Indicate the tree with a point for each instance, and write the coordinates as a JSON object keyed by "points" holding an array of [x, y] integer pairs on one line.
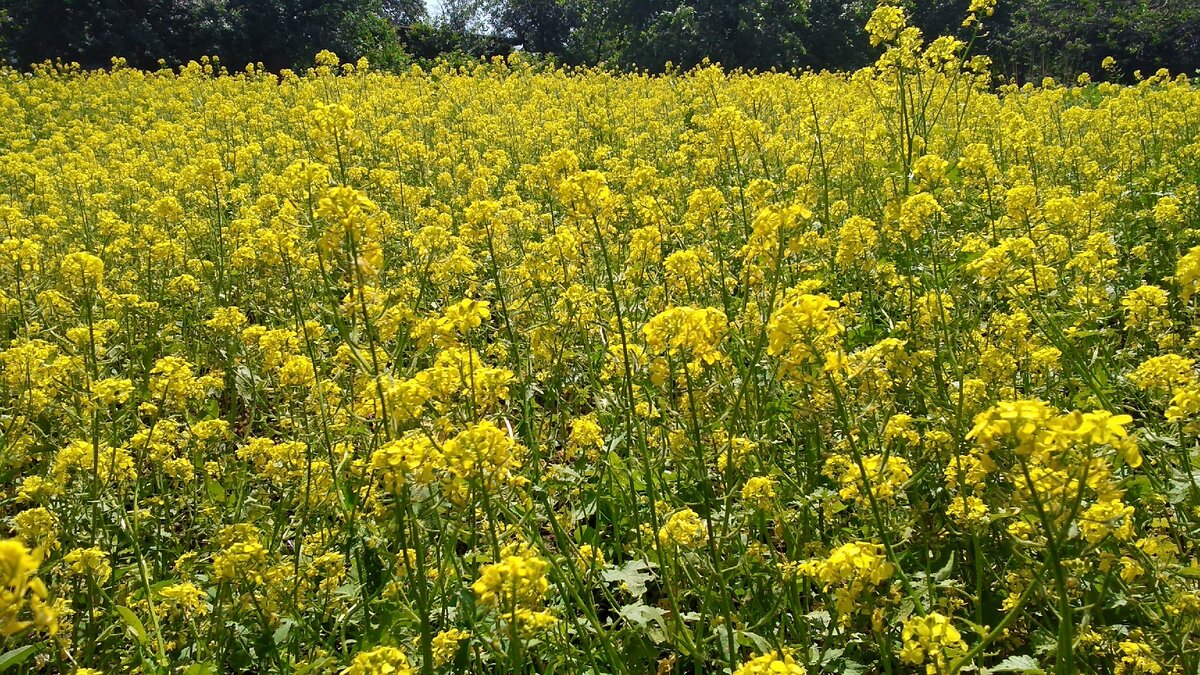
{"points": [[541, 26], [277, 33], [466, 16], [1063, 37], [93, 31], [403, 13], [751, 33]]}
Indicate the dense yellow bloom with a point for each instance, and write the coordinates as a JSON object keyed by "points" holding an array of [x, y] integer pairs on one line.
{"points": [[801, 330], [483, 452], [518, 580], [185, 598], [1145, 309], [412, 457], [759, 492], [1137, 658], [89, 562], [683, 528], [379, 661], [590, 558], [931, 640], [1030, 423], [1163, 373], [446, 643], [688, 332], [850, 570], [22, 593], [241, 562], [967, 511], [173, 381], [83, 270], [770, 663], [885, 477], [1187, 273], [885, 24], [857, 240]]}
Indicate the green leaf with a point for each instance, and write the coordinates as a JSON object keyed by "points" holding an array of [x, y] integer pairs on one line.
{"points": [[200, 669], [15, 657], [1017, 664], [281, 633], [1191, 572], [648, 619], [746, 638], [134, 623], [633, 576], [215, 491], [944, 573], [641, 614]]}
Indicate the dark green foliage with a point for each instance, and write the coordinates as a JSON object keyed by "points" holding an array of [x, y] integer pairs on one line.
{"points": [[1027, 39], [277, 33], [93, 31], [428, 42], [540, 26], [1064, 37], [403, 12], [285, 33], [647, 33]]}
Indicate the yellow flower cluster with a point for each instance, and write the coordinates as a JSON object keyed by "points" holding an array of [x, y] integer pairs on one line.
{"points": [[931, 639], [22, 594], [687, 331], [780, 662], [850, 570]]}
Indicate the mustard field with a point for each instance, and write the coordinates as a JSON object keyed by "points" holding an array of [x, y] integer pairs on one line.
{"points": [[516, 369]]}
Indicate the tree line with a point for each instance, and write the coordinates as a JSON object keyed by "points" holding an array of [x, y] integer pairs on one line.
{"points": [[1025, 38]]}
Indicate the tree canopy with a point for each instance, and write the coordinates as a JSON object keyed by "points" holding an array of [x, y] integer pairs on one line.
{"points": [[1026, 38]]}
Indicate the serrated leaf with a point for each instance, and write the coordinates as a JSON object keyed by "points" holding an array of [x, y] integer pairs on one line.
{"points": [[641, 614], [632, 576], [832, 655], [1017, 664], [648, 619], [819, 616]]}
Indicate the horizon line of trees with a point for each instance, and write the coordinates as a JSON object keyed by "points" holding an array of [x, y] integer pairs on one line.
{"points": [[1026, 39]]}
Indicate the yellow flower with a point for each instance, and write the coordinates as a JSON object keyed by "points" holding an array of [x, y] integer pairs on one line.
{"points": [[687, 331], [931, 638], [683, 528], [802, 330], [885, 24], [482, 452], [22, 594], [83, 271], [412, 457], [850, 570], [89, 562], [781, 662], [519, 579], [446, 644], [759, 492], [186, 598], [379, 661]]}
